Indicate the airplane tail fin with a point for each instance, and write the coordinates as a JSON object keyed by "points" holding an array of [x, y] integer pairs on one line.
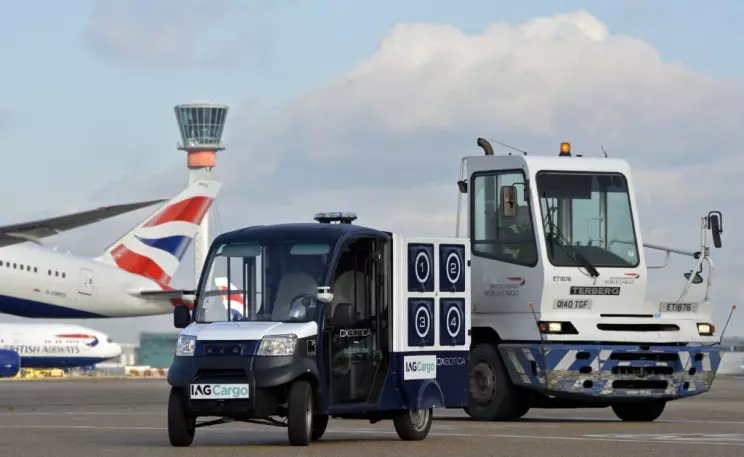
{"points": [[234, 301], [155, 247]]}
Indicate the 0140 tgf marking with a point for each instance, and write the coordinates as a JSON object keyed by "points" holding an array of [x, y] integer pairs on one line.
{"points": [[572, 304]]}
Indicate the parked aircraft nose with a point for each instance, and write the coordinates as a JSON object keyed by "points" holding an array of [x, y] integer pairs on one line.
{"points": [[114, 349]]}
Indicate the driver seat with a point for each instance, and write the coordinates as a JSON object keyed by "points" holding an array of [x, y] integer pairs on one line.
{"points": [[291, 285], [344, 288]]}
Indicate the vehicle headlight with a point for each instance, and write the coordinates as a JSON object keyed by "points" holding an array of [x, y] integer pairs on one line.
{"points": [[706, 329], [185, 345], [278, 345]]}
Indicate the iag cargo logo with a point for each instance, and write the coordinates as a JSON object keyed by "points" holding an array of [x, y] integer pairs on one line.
{"points": [[420, 367]]}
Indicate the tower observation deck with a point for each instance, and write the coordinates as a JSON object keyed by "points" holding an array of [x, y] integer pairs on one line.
{"points": [[201, 126]]}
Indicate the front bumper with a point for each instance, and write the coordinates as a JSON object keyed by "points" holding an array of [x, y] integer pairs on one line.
{"points": [[267, 378], [605, 371]]}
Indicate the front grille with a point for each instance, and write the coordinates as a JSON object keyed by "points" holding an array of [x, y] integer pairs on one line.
{"points": [[221, 375], [223, 349]]}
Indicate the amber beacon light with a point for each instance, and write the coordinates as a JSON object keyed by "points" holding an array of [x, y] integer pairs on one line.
{"points": [[565, 150]]}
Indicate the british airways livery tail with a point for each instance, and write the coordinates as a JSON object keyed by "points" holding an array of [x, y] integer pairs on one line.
{"points": [[154, 248], [124, 281]]}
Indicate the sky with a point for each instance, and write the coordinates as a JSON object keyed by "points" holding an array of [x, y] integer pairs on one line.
{"points": [[368, 106]]}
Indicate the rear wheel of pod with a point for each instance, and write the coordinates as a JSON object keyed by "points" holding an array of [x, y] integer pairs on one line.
{"points": [[413, 425]]}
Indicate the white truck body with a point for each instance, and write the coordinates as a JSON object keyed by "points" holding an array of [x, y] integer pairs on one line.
{"points": [[601, 341]]}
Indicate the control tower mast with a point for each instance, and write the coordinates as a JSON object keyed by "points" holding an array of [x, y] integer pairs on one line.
{"points": [[201, 126]]}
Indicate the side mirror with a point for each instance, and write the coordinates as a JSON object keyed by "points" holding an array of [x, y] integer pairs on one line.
{"points": [[508, 197], [715, 222], [343, 315], [696, 280], [181, 316], [325, 295], [10, 363]]}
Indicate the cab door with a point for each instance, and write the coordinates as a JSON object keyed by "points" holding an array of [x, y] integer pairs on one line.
{"points": [[358, 355]]}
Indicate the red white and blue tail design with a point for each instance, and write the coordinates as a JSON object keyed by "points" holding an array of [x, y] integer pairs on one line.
{"points": [[234, 302], [154, 248]]}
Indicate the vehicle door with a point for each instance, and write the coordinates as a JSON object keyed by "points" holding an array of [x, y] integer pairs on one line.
{"points": [[358, 354]]}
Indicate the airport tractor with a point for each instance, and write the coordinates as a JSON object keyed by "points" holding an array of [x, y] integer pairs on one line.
{"points": [[319, 320], [559, 276]]}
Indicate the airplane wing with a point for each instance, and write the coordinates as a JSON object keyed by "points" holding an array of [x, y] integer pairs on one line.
{"points": [[34, 231]]}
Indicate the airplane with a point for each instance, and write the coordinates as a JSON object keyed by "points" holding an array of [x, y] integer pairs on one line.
{"points": [[131, 278], [234, 302], [57, 345]]}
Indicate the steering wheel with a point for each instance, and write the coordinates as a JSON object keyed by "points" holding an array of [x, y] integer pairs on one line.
{"points": [[299, 305]]}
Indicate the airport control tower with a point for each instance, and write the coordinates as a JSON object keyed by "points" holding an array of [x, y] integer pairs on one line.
{"points": [[201, 126]]}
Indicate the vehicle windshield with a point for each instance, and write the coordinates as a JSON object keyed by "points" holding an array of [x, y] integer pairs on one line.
{"points": [[591, 212], [267, 282]]}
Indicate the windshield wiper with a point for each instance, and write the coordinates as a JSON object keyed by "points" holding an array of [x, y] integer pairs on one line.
{"points": [[566, 245]]}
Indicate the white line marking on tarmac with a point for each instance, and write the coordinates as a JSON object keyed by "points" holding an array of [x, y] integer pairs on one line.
{"points": [[569, 419], [608, 438]]}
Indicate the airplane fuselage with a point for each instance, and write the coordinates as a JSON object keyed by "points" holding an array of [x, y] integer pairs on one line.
{"points": [[57, 345], [36, 282]]}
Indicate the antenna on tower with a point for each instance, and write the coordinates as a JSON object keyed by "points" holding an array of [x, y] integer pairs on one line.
{"points": [[201, 126]]}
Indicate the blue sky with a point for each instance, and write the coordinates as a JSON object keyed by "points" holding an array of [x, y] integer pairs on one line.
{"points": [[90, 87], [118, 111]]}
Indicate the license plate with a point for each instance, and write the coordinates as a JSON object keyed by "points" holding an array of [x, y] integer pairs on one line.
{"points": [[219, 391], [678, 308], [572, 304]]}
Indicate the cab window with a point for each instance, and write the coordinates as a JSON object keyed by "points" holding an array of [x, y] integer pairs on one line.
{"points": [[501, 225]]}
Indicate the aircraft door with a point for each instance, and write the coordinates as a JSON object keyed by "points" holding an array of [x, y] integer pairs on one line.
{"points": [[85, 282]]}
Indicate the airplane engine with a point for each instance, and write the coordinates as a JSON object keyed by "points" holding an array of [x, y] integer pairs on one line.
{"points": [[10, 363]]}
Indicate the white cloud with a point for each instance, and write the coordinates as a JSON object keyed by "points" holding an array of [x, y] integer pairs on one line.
{"points": [[385, 139]]}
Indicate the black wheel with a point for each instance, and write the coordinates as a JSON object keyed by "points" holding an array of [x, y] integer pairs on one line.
{"points": [[181, 426], [300, 414], [413, 425], [639, 412], [491, 394], [320, 423]]}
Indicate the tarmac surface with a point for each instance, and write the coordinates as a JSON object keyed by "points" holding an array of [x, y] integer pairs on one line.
{"points": [[128, 417]]}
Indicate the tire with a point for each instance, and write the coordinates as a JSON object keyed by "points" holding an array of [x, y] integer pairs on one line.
{"points": [[491, 394], [639, 412], [181, 426], [300, 413], [413, 425], [320, 423]]}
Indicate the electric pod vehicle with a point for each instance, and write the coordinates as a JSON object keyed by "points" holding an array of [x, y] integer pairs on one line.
{"points": [[323, 320]]}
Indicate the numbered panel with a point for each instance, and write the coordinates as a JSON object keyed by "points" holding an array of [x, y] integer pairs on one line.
{"points": [[421, 322], [452, 322], [420, 267], [452, 268]]}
